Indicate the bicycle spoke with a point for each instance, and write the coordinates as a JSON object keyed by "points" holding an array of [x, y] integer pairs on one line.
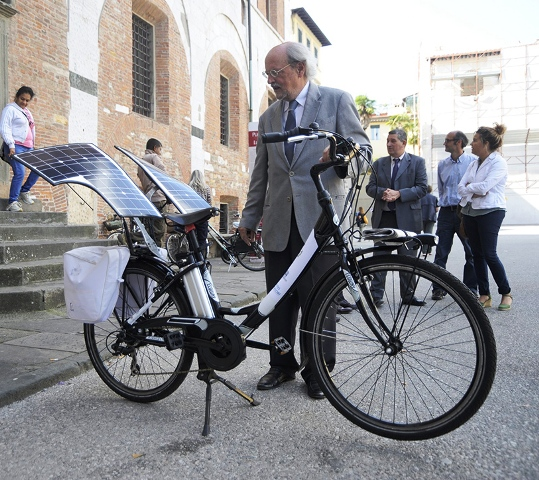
{"points": [[127, 363], [433, 377]]}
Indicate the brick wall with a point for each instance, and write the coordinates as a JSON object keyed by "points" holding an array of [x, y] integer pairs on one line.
{"points": [[227, 174], [172, 109], [38, 58]]}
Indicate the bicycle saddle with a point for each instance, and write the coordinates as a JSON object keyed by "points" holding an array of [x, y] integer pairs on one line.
{"points": [[192, 217]]}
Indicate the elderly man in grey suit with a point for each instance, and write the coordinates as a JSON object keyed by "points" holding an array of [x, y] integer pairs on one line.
{"points": [[397, 184], [282, 191]]}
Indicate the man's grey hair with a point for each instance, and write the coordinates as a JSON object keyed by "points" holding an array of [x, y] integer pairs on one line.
{"points": [[297, 52], [401, 134]]}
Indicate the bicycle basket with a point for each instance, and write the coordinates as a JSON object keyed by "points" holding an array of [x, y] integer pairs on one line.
{"points": [[92, 277]]}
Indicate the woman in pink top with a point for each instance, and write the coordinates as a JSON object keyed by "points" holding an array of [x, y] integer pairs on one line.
{"points": [[18, 131]]}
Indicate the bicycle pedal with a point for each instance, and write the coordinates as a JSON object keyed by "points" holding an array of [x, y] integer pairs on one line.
{"points": [[282, 345], [173, 340]]}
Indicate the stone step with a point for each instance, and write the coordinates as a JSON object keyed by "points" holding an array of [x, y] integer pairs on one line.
{"points": [[37, 206], [12, 252], [28, 298], [25, 273], [21, 218], [31, 231]]}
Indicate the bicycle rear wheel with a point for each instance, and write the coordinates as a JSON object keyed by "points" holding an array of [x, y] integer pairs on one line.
{"points": [[177, 246], [115, 235], [130, 366], [251, 258], [440, 375]]}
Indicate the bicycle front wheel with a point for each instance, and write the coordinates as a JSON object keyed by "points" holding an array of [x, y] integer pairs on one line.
{"points": [[129, 365], [441, 370]]}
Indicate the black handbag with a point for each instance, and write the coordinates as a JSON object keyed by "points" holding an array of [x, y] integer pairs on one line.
{"points": [[2, 156]]}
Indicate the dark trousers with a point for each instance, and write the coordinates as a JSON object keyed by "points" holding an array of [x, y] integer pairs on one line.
{"points": [[407, 282], [482, 232], [428, 227], [448, 227], [156, 227], [283, 320]]}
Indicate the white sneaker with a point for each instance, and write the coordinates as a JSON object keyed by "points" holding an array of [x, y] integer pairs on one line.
{"points": [[26, 198], [14, 207]]}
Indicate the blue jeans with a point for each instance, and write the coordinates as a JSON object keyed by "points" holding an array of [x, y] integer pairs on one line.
{"points": [[482, 233], [18, 175], [448, 227]]}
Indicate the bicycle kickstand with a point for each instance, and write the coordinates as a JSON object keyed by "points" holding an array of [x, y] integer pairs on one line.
{"points": [[209, 376]]}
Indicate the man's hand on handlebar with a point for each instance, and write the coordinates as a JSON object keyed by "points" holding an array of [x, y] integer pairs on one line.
{"points": [[247, 235], [325, 155]]}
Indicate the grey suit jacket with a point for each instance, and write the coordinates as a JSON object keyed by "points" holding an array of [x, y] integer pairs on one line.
{"points": [[277, 189], [411, 182]]}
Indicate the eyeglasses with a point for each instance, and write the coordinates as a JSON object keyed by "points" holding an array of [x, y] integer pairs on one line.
{"points": [[274, 73]]}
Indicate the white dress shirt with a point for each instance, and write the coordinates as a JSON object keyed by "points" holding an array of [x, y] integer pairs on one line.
{"points": [[487, 181]]}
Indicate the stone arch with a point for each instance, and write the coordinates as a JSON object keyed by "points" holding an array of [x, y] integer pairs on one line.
{"points": [[226, 166], [117, 124]]}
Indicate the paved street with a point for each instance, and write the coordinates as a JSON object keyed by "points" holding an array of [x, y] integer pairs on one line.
{"points": [[79, 428]]}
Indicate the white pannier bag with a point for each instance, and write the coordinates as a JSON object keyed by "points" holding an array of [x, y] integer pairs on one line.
{"points": [[92, 277]]}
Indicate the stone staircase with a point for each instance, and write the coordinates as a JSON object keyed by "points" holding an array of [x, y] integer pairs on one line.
{"points": [[32, 244]]}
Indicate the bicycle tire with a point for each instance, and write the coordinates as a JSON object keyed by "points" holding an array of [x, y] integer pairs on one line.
{"points": [[115, 235], [177, 245], [150, 372], [253, 261], [225, 257], [250, 258], [439, 379]]}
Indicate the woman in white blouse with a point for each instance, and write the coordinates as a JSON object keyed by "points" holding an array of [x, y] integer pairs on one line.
{"points": [[482, 189]]}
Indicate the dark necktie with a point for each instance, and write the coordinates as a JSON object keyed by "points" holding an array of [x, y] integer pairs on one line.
{"points": [[289, 125], [391, 205]]}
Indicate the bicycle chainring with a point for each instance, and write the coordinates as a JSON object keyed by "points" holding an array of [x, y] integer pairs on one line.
{"points": [[230, 348]]}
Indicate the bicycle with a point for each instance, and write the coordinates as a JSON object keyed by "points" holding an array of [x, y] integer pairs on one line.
{"points": [[400, 371], [233, 251]]}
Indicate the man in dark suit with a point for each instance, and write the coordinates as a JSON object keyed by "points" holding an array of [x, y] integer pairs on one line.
{"points": [[397, 184], [283, 193]]}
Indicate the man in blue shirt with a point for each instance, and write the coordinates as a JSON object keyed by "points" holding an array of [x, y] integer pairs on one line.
{"points": [[450, 172]]}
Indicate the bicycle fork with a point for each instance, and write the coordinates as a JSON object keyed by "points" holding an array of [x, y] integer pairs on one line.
{"points": [[391, 344]]}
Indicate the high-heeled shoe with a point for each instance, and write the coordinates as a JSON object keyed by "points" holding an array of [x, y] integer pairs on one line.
{"points": [[506, 306], [487, 303]]}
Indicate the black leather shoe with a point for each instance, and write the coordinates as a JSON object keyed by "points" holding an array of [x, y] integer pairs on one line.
{"points": [[273, 379], [414, 302], [345, 303], [342, 309], [438, 295], [379, 303], [313, 390]]}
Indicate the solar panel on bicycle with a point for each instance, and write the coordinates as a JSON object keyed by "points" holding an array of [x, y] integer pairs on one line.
{"points": [[183, 197], [85, 164]]}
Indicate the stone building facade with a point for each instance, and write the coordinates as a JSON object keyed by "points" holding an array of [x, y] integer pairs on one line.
{"points": [[466, 90], [206, 86]]}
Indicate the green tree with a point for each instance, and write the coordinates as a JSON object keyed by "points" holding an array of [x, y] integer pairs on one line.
{"points": [[365, 108], [409, 124]]}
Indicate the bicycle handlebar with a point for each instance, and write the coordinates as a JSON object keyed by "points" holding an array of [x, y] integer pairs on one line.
{"points": [[298, 134], [276, 137]]}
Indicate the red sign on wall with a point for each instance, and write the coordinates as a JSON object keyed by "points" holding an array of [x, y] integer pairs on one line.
{"points": [[253, 138]]}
